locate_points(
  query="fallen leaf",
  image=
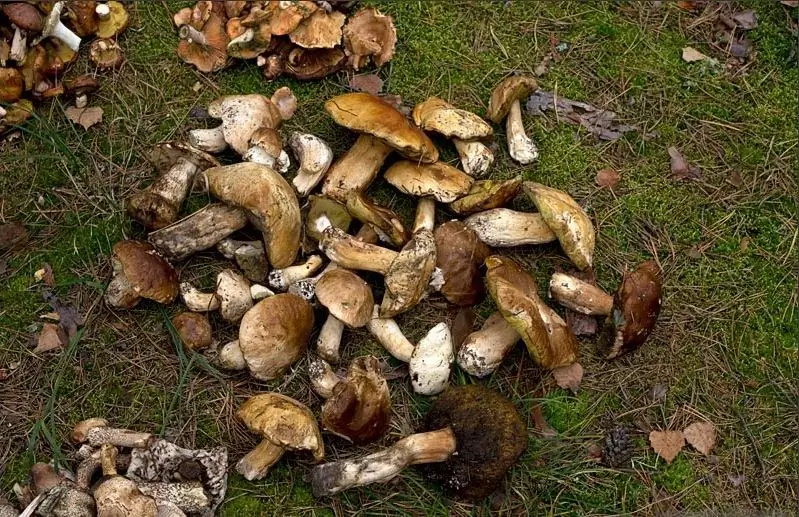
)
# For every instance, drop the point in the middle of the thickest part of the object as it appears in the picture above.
(542, 427)
(658, 392)
(370, 83)
(701, 436)
(12, 236)
(581, 324)
(746, 20)
(680, 169)
(741, 47)
(45, 274)
(667, 444)
(738, 480)
(50, 338)
(735, 179)
(462, 326)
(690, 55)
(608, 178)
(86, 117)
(569, 377)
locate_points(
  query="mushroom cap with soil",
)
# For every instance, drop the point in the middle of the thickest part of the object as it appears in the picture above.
(503, 227)
(349, 299)
(193, 329)
(357, 168)
(284, 424)
(435, 114)
(369, 34)
(139, 272)
(487, 194)
(483, 350)
(320, 30)
(459, 255)
(367, 113)
(439, 180)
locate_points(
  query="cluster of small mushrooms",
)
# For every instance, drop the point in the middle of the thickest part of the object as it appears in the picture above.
(121, 472)
(472, 435)
(303, 39)
(40, 40)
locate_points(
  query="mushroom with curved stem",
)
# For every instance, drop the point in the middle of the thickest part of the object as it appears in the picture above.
(250, 256)
(198, 231)
(384, 221)
(113, 19)
(476, 157)
(356, 168)
(314, 156)
(118, 496)
(579, 296)
(55, 29)
(390, 336)
(139, 272)
(503, 227)
(443, 182)
(284, 424)
(505, 101)
(282, 279)
(196, 300)
(470, 438)
(242, 115)
(486, 195)
(482, 351)
(349, 300)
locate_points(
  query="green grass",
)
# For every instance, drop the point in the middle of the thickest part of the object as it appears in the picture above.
(725, 345)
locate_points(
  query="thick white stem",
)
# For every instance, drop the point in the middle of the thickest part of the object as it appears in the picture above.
(61, 32)
(196, 300)
(174, 185)
(102, 11)
(388, 334)
(323, 378)
(19, 46)
(315, 157)
(580, 296)
(329, 340)
(425, 215)
(476, 157)
(209, 140)
(233, 291)
(431, 361)
(483, 351)
(259, 292)
(258, 154)
(521, 147)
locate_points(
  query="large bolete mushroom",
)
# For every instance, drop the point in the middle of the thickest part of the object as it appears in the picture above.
(349, 300)
(443, 182)
(485, 195)
(284, 424)
(459, 255)
(357, 168)
(471, 437)
(503, 227)
(504, 102)
(198, 231)
(139, 272)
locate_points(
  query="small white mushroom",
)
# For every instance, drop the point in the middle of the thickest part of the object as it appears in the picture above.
(431, 361)
(196, 300)
(482, 351)
(281, 279)
(315, 157)
(231, 357)
(476, 157)
(390, 336)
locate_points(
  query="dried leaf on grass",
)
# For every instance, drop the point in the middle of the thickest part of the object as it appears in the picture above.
(542, 427)
(701, 436)
(746, 20)
(667, 444)
(569, 377)
(608, 178)
(462, 326)
(680, 169)
(45, 274)
(691, 55)
(52, 337)
(69, 319)
(13, 236)
(86, 117)
(370, 83)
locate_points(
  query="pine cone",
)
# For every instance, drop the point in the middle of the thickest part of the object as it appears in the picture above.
(618, 448)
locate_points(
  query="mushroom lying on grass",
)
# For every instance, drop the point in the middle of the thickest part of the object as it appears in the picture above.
(198, 231)
(193, 329)
(471, 437)
(356, 168)
(282, 279)
(443, 182)
(505, 101)
(459, 255)
(349, 300)
(482, 351)
(503, 227)
(139, 272)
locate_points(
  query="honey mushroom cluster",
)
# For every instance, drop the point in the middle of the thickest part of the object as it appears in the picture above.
(40, 40)
(302, 39)
(294, 263)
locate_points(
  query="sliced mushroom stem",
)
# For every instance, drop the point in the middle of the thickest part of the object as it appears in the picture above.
(431, 447)
(192, 35)
(390, 336)
(503, 227)
(476, 157)
(521, 147)
(188, 496)
(351, 253)
(323, 378)
(210, 140)
(231, 357)
(256, 463)
(425, 215)
(329, 340)
(580, 296)
(100, 436)
(196, 300)
(281, 279)
(483, 351)
(198, 231)
(19, 46)
(315, 157)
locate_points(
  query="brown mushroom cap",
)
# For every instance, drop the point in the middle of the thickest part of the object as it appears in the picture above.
(105, 53)
(209, 57)
(25, 16)
(346, 296)
(283, 421)
(320, 30)
(286, 16)
(367, 113)
(487, 195)
(438, 115)
(360, 408)
(511, 89)
(636, 307)
(369, 33)
(306, 64)
(459, 255)
(83, 18)
(11, 84)
(194, 330)
(150, 275)
(274, 333)
(443, 182)
(82, 85)
(242, 115)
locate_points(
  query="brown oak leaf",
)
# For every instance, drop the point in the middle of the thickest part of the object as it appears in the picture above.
(542, 427)
(608, 178)
(701, 436)
(52, 337)
(680, 169)
(86, 117)
(667, 444)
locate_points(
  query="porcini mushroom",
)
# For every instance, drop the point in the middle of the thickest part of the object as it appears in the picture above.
(382, 220)
(198, 231)
(349, 300)
(369, 34)
(485, 195)
(206, 48)
(233, 292)
(315, 157)
(431, 361)
(250, 256)
(503, 227)
(193, 329)
(159, 204)
(358, 407)
(367, 113)
(390, 336)
(118, 496)
(482, 351)
(435, 114)
(139, 272)
(579, 296)
(459, 255)
(504, 102)
(480, 425)
(241, 116)
(567, 220)
(356, 169)
(284, 424)
(443, 182)
(476, 157)
(96, 432)
(113, 19)
(282, 279)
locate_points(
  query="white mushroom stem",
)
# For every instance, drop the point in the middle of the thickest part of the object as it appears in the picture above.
(19, 46)
(307, 286)
(81, 101)
(390, 336)
(323, 378)
(431, 361)
(192, 35)
(196, 300)
(174, 185)
(329, 340)
(281, 279)
(258, 154)
(351, 253)
(521, 147)
(210, 140)
(102, 11)
(425, 215)
(190, 496)
(315, 157)
(230, 357)
(580, 296)
(233, 291)
(432, 447)
(476, 157)
(503, 227)
(55, 29)
(98, 436)
(483, 351)
(259, 292)
(256, 463)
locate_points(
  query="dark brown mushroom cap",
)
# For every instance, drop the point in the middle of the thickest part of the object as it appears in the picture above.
(194, 330)
(150, 275)
(511, 89)
(82, 85)
(360, 407)
(306, 64)
(347, 296)
(25, 16)
(490, 436)
(636, 307)
(487, 195)
(166, 154)
(459, 255)
(83, 18)
(12, 84)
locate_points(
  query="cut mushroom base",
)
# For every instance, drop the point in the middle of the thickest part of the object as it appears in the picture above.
(483, 351)
(503, 227)
(580, 296)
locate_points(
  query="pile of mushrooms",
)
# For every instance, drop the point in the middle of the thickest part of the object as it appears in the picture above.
(303, 39)
(302, 236)
(40, 40)
(124, 472)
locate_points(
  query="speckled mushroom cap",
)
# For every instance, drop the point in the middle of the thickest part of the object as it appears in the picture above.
(347, 296)
(242, 115)
(150, 274)
(512, 88)
(283, 421)
(435, 114)
(367, 113)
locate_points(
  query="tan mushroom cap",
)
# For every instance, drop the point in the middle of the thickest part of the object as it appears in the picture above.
(286, 16)
(408, 275)
(313, 63)
(194, 330)
(269, 199)
(438, 115)
(487, 195)
(209, 57)
(269, 139)
(24, 15)
(274, 333)
(283, 421)
(12, 84)
(366, 113)
(347, 296)
(320, 30)
(369, 33)
(443, 182)
(150, 275)
(511, 89)
(242, 115)
(116, 22)
(252, 42)
(459, 255)
(106, 53)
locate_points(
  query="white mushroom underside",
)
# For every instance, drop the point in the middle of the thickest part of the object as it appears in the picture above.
(208, 140)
